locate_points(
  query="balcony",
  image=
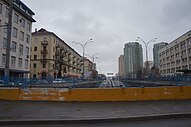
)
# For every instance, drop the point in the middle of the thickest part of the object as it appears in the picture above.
(44, 42)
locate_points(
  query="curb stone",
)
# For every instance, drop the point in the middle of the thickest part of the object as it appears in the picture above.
(96, 120)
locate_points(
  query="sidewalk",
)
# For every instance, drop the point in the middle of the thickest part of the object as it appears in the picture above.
(70, 111)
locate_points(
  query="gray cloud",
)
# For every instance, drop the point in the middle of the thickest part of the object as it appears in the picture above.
(112, 23)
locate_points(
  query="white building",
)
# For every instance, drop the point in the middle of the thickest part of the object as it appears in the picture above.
(20, 38)
(176, 55)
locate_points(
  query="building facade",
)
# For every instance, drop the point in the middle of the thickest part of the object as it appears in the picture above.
(156, 49)
(121, 66)
(51, 57)
(133, 59)
(176, 55)
(88, 68)
(22, 18)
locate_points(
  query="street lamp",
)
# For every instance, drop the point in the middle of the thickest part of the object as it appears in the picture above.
(83, 48)
(146, 46)
(93, 57)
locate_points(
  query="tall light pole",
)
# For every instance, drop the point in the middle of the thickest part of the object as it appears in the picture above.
(93, 57)
(83, 49)
(146, 46)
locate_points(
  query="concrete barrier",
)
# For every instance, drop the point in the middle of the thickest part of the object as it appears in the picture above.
(99, 94)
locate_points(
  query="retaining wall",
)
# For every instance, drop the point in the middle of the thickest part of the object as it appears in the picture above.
(99, 94)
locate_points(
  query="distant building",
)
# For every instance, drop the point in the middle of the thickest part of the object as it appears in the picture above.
(150, 64)
(88, 66)
(121, 66)
(89, 69)
(133, 59)
(156, 49)
(52, 57)
(22, 18)
(176, 56)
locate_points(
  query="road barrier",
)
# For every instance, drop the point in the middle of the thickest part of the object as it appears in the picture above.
(97, 94)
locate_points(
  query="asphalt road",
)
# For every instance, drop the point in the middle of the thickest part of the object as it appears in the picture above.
(155, 123)
(110, 83)
(14, 110)
(40, 110)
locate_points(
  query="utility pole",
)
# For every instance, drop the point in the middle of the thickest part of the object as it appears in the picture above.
(9, 29)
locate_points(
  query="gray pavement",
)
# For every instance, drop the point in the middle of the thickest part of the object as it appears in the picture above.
(41, 110)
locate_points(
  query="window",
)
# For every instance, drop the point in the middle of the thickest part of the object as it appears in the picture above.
(6, 12)
(28, 26)
(14, 32)
(5, 43)
(27, 50)
(13, 60)
(14, 46)
(20, 62)
(16, 18)
(22, 23)
(34, 76)
(21, 36)
(35, 48)
(34, 65)
(28, 39)
(35, 57)
(3, 59)
(1, 8)
(26, 64)
(20, 49)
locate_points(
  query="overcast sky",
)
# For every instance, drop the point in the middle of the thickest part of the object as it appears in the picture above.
(112, 23)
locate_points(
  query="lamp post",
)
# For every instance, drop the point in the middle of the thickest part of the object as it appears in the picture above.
(83, 49)
(93, 57)
(146, 46)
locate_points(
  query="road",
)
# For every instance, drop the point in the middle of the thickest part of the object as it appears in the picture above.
(155, 123)
(39, 110)
(110, 83)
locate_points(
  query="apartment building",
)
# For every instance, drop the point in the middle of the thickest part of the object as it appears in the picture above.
(176, 56)
(51, 57)
(22, 18)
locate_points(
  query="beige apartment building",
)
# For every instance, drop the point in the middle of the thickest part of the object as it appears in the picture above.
(90, 71)
(176, 56)
(51, 57)
(22, 18)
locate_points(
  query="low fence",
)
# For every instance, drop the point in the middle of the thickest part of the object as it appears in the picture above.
(97, 94)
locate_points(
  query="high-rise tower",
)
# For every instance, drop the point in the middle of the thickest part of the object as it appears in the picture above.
(133, 59)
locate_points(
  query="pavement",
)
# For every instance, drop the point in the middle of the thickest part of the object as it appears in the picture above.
(12, 112)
